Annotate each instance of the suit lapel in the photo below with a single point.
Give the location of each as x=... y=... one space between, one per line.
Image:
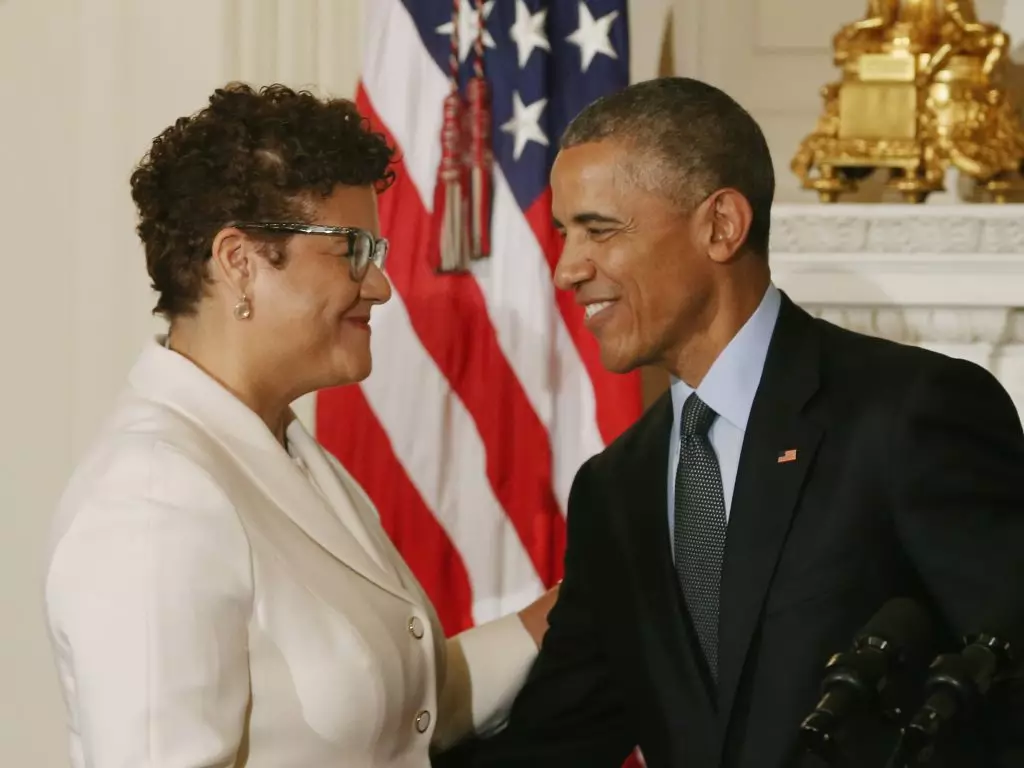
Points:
x=647 y=493
x=643 y=522
x=767 y=489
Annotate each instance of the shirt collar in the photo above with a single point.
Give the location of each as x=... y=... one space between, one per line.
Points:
x=731 y=383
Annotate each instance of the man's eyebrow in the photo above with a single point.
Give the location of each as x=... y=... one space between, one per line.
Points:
x=589 y=217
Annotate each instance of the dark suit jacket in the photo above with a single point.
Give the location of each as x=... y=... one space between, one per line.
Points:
x=908 y=481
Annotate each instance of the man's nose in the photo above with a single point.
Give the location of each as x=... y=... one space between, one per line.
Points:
x=573 y=268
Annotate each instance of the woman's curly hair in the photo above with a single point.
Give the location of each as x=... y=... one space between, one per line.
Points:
x=248 y=156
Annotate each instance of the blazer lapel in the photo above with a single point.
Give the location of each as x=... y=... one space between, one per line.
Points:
x=367 y=512
x=166 y=377
x=338 y=491
x=778 y=449
x=328 y=525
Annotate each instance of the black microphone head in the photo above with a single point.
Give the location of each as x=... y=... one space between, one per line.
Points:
x=1003 y=646
x=898 y=636
x=957 y=685
x=901 y=627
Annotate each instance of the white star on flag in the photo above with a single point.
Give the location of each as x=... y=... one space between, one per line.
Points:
x=528 y=31
x=592 y=36
x=525 y=123
x=469 y=26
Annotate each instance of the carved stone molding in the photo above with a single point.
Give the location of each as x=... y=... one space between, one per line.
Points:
x=991 y=337
x=899 y=229
x=929 y=325
x=901 y=255
x=950 y=278
x=1016 y=330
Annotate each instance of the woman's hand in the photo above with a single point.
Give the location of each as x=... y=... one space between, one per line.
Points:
x=535 y=615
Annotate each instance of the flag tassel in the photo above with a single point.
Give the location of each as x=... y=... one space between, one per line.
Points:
x=481 y=162
x=451 y=214
x=450 y=196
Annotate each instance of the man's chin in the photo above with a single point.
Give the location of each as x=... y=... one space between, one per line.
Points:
x=618 y=362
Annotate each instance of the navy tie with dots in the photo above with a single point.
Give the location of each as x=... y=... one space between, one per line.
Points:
x=700 y=525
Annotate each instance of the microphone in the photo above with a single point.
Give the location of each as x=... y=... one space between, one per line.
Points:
x=955 y=688
x=895 y=637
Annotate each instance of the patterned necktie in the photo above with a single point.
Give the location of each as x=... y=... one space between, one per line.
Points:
x=700 y=525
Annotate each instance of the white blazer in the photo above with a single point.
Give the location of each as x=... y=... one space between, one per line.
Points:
x=213 y=601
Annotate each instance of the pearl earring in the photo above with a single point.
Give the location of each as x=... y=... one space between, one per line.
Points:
x=243 y=309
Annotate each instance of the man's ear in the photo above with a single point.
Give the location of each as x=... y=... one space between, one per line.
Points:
x=729 y=215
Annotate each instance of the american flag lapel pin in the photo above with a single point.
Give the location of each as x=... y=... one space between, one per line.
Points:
x=787 y=456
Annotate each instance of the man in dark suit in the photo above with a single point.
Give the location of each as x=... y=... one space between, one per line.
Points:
x=795 y=478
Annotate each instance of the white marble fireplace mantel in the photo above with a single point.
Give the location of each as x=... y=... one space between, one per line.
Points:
x=946 y=277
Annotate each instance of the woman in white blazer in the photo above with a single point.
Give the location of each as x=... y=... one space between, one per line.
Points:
x=220 y=591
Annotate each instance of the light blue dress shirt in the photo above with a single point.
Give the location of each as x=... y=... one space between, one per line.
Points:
x=728 y=388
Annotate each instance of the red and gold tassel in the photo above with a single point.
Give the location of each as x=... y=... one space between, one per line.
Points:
x=480 y=157
x=450 y=203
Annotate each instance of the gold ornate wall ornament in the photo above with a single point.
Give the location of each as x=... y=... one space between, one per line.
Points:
x=922 y=89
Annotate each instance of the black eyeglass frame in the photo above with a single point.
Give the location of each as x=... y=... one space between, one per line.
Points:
x=363 y=247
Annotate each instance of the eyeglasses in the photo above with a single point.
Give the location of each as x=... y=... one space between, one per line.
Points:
x=363 y=247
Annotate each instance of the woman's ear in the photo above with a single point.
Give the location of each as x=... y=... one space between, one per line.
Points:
x=232 y=257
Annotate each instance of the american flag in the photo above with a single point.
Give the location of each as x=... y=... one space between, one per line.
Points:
x=787 y=456
x=487 y=392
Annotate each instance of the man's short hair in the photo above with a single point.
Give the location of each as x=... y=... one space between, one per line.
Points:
x=693 y=140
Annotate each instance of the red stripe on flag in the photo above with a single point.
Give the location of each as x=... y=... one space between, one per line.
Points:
x=347 y=427
x=619 y=396
x=449 y=314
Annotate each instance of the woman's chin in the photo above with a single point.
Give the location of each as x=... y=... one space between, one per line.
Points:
x=352 y=370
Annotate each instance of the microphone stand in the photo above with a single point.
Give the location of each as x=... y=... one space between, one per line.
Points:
x=840 y=759
x=899 y=757
x=837 y=756
x=825 y=746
